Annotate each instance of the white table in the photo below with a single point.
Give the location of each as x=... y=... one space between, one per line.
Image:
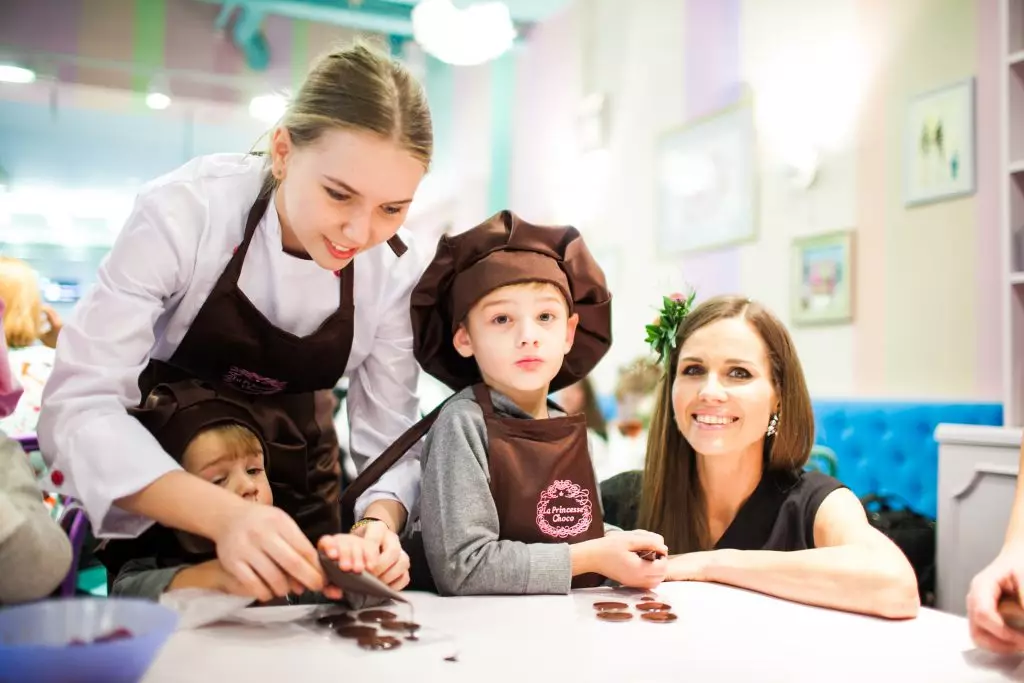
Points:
x=723 y=634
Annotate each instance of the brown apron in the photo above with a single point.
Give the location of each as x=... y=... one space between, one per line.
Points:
x=287 y=378
x=541 y=479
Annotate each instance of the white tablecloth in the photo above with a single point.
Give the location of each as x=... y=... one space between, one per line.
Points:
x=722 y=634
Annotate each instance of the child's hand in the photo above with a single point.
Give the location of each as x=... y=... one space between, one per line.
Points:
x=352 y=553
x=389 y=563
x=615 y=556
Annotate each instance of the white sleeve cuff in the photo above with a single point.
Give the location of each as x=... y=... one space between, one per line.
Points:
x=400 y=483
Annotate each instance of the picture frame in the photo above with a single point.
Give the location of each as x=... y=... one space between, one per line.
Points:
x=940 y=144
x=822 y=286
x=706 y=181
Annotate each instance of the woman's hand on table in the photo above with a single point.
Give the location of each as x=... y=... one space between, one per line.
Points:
x=615 y=557
x=1004 y=575
x=691 y=566
x=262 y=548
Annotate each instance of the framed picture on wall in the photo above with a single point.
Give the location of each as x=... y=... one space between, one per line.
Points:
x=822 y=281
x=706 y=178
x=939 y=143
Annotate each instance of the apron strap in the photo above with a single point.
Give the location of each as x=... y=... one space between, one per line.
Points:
x=397 y=245
x=252 y=221
x=483 y=397
x=384 y=462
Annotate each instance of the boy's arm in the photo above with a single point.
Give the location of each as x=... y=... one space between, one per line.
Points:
x=143 y=578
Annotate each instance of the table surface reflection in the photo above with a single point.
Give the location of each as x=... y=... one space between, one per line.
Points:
x=722 y=634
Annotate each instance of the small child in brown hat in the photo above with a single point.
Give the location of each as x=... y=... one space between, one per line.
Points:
x=217 y=438
x=505 y=314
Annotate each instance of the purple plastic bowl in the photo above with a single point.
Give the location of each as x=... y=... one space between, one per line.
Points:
x=34 y=640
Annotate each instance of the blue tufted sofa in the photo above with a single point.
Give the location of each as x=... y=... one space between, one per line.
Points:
x=889 y=447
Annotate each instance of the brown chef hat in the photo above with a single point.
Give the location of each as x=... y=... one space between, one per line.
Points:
x=176 y=412
x=506 y=250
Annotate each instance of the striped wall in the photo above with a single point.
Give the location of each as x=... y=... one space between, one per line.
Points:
x=172 y=34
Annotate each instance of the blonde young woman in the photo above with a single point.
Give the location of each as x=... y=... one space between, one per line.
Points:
x=273 y=277
x=30 y=330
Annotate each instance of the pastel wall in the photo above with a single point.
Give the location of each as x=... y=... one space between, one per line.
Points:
x=839 y=74
x=91 y=111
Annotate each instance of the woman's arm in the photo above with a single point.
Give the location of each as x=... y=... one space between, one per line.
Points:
x=101 y=454
x=854 y=566
x=382 y=401
x=1005 y=574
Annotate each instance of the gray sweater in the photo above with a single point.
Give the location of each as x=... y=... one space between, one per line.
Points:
x=35 y=553
x=458 y=518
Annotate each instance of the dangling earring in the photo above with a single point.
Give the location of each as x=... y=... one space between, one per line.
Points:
x=773 y=424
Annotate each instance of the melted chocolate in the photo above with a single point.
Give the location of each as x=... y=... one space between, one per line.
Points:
x=649 y=555
x=614 y=616
x=379 y=643
x=409 y=627
x=451 y=658
x=654 y=607
x=659 y=617
x=356 y=631
x=336 y=620
x=1011 y=611
x=376 y=616
x=647 y=598
x=605 y=606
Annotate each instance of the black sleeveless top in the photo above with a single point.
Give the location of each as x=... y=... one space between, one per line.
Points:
x=779 y=515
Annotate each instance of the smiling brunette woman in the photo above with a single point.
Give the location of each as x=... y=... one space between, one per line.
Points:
x=724 y=482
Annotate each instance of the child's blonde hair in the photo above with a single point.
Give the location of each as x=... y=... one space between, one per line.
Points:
x=232 y=436
x=19 y=288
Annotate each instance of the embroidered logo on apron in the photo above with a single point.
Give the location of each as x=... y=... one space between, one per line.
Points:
x=564 y=509
x=252 y=383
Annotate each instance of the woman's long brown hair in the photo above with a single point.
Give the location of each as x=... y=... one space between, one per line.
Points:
x=672 y=502
x=592 y=410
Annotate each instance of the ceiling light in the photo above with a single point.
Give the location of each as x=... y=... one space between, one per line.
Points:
x=16 y=74
x=157 y=100
x=477 y=34
x=159 y=95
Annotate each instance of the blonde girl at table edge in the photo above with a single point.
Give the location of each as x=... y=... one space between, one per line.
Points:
x=1005 y=574
x=724 y=481
x=268 y=274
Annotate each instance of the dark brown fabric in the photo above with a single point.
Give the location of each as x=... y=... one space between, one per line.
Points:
x=542 y=479
x=501 y=251
x=175 y=413
x=284 y=381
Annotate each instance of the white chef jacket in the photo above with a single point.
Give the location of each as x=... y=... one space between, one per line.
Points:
x=163 y=265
